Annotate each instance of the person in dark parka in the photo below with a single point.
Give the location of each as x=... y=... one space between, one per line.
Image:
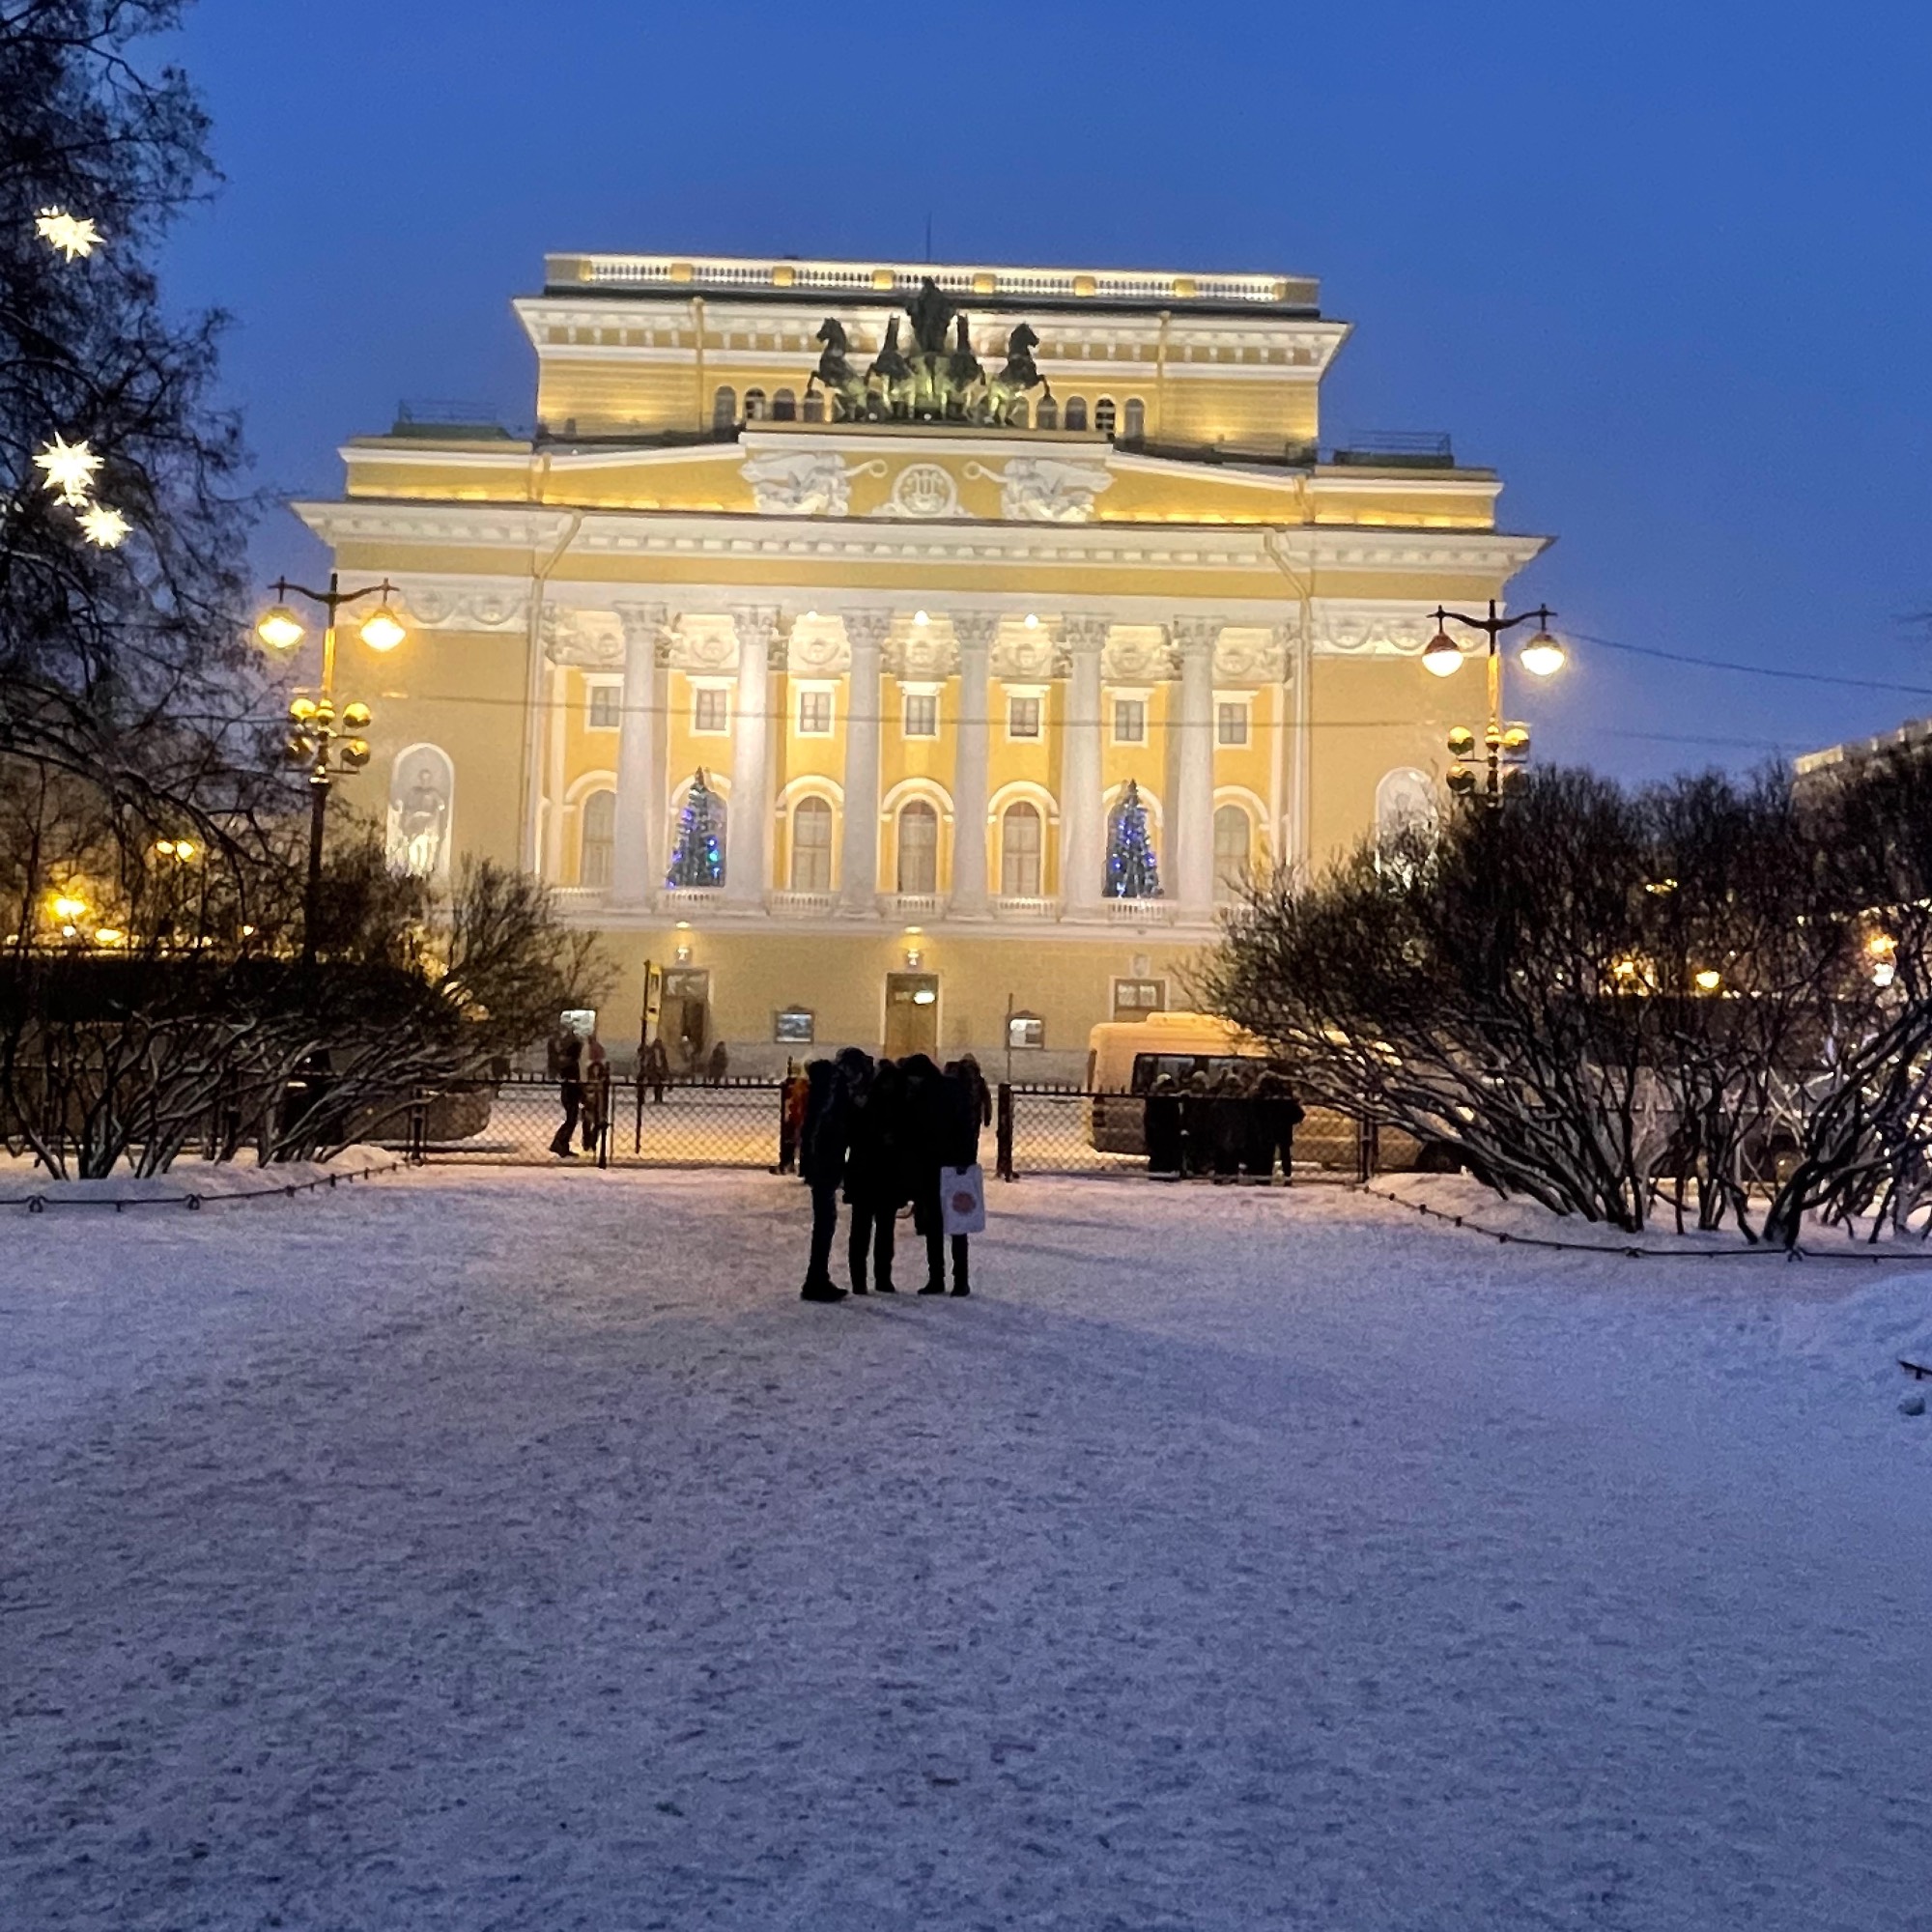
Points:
x=1226 y=1126
x=824 y=1147
x=926 y=1130
x=1160 y=1129
x=964 y=1113
x=1281 y=1113
x=875 y=1176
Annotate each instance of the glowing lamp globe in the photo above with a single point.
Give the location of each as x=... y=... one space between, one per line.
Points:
x=280 y=629
x=383 y=630
x=1461 y=780
x=1542 y=656
x=1709 y=980
x=1441 y=656
x=355 y=717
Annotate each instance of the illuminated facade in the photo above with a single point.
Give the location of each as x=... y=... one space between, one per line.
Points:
x=921 y=566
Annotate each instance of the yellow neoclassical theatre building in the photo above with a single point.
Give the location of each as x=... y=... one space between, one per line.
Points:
x=922 y=566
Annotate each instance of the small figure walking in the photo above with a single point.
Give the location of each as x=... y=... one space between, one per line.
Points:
x=654 y=1070
x=596 y=1090
x=793 y=1095
x=718 y=1066
x=569 y=1063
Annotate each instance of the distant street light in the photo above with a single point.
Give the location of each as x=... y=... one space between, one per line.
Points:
x=1505 y=745
x=325 y=744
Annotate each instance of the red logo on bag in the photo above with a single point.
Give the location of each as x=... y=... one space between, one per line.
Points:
x=963 y=1202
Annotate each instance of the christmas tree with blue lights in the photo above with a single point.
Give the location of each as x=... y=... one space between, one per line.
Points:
x=1131 y=871
x=698 y=859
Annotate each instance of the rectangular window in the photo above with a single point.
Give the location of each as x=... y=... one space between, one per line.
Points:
x=1231 y=724
x=1135 y=999
x=708 y=712
x=921 y=715
x=606 y=707
x=1129 y=721
x=1022 y=718
x=814 y=714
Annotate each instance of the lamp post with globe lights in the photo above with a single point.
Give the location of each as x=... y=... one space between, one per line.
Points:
x=324 y=743
x=1505 y=745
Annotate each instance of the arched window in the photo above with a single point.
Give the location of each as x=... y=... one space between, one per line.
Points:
x=1049 y=414
x=599 y=825
x=1019 y=851
x=811 y=847
x=1020 y=413
x=1134 y=429
x=1076 y=412
x=919 y=849
x=1103 y=415
x=754 y=406
x=1234 y=851
x=784 y=405
x=815 y=406
x=724 y=409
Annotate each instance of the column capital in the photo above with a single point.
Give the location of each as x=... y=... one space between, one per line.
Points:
x=974 y=630
x=1084 y=633
x=643 y=623
x=1193 y=635
x=866 y=630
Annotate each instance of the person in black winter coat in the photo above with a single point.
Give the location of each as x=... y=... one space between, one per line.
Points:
x=824 y=1149
x=970 y=1109
x=926 y=1126
x=1160 y=1129
x=875 y=1176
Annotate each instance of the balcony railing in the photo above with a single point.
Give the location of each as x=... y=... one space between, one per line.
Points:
x=802 y=905
x=690 y=898
x=913 y=906
x=1141 y=911
x=1011 y=906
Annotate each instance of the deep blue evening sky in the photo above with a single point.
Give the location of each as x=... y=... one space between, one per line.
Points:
x=1668 y=268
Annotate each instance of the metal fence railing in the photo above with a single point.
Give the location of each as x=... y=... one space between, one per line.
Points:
x=1037 y=1130
x=1063 y=1131
x=624 y=1124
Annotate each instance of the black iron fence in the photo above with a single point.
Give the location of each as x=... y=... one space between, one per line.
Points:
x=1037 y=1130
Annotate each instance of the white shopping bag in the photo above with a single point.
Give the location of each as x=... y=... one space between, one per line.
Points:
x=963 y=1200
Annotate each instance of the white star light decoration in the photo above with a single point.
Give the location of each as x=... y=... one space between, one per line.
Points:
x=105 y=527
x=69 y=469
x=71 y=234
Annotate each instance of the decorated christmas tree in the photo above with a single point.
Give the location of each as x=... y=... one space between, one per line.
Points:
x=698 y=859
x=1131 y=871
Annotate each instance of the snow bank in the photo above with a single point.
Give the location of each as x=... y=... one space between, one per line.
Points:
x=23 y=1184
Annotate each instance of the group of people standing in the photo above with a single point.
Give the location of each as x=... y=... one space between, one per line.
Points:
x=1234 y=1126
x=880 y=1132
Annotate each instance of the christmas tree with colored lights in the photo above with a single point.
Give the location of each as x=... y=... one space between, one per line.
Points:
x=698 y=859
x=1131 y=871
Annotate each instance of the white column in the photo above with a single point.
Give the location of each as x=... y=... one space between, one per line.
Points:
x=974 y=632
x=1191 y=812
x=748 y=824
x=865 y=633
x=1082 y=841
x=640 y=853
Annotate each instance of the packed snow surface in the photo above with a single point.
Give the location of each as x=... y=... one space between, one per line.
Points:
x=488 y=1550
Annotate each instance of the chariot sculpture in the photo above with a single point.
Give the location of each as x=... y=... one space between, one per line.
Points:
x=937 y=380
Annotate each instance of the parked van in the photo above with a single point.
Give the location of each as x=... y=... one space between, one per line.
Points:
x=1124 y=1057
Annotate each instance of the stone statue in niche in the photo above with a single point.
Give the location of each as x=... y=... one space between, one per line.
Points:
x=418 y=830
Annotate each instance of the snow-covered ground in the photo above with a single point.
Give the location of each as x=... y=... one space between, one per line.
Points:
x=485 y=1550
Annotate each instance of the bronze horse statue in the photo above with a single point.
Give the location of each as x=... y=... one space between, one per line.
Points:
x=1007 y=392
x=837 y=376
x=890 y=383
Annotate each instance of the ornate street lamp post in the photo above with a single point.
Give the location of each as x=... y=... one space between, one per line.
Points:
x=1505 y=745
x=323 y=742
